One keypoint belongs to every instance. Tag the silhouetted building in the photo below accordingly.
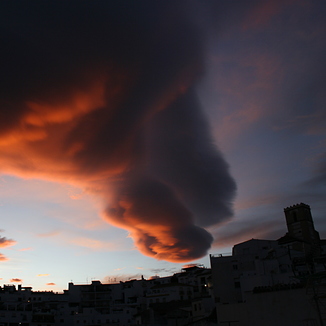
(273, 282)
(184, 298)
(301, 234)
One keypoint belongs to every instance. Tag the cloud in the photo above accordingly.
(271, 75)
(318, 178)
(49, 234)
(312, 124)
(51, 283)
(261, 229)
(41, 275)
(245, 85)
(263, 13)
(3, 257)
(76, 196)
(26, 249)
(93, 243)
(16, 280)
(109, 104)
(4, 242)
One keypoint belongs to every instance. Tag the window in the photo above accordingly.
(237, 285)
(295, 218)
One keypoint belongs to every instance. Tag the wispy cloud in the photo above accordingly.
(41, 275)
(311, 124)
(243, 104)
(16, 280)
(51, 283)
(264, 12)
(76, 196)
(93, 244)
(49, 234)
(258, 201)
(26, 249)
(240, 233)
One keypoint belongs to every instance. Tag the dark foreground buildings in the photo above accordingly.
(264, 282)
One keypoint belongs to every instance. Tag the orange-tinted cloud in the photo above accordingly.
(4, 242)
(41, 275)
(76, 196)
(3, 257)
(120, 120)
(171, 235)
(16, 280)
(26, 249)
(51, 283)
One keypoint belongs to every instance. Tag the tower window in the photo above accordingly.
(295, 218)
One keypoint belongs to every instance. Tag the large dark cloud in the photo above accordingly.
(102, 94)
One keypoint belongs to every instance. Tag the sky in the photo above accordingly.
(137, 137)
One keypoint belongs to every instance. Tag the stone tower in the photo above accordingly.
(301, 227)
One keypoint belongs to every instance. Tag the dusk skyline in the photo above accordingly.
(138, 137)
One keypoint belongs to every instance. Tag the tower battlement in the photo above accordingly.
(296, 206)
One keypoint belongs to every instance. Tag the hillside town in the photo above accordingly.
(264, 282)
